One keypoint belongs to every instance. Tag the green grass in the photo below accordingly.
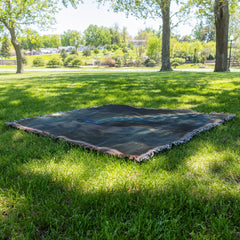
(8, 67)
(52, 190)
(196, 65)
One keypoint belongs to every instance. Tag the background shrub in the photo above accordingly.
(54, 62)
(119, 60)
(126, 59)
(109, 61)
(130, 63)
(203, 59)
(76, 62)
(86, 52)
(125, 50)
(73, 61)
(175, 64)
(118, 52)
(105, 51)
(63, 54)
(109, 48)
(68, 60)
(150, 62)
(96, 50)
(74, 51)
(24, 60)
(178, 60)
(115, 46)
(38, 62)
(138, 62)
(97, 62)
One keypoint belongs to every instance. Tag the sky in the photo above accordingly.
(88, 13)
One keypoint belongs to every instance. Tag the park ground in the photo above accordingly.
(52, 190)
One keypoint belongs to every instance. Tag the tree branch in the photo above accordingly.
(5, 23)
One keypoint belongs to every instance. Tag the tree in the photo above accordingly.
(97, 36)
(115, 35)
(186, 38)
(154, 48)
(205, 32)
(221, 10)
(15, 15)
(72, 38)
(165, 9)
(63, 54)
(5, 49)
(144, 9)
(31, 41)
(51, 41)
(234, 25)
(144, 35)
(124, 35)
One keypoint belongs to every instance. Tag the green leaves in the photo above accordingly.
(16, 15)
(21, 13)
(97, 36)
(5, 49)
(71, 38)
(74, 3)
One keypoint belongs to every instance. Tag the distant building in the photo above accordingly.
(102, 47)
(67, 48)
(33, 52)
(48, 50)
(137, 43)
(82, 48)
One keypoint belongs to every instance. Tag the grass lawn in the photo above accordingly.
(52, 190)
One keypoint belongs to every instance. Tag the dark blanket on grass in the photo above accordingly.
(137, 133)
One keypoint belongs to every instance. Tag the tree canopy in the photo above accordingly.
(220, 10)
(145, 9)
(22, 13)
(5, 49)
(17, 15)
(97, 36)
(71, 38)
(234, 25)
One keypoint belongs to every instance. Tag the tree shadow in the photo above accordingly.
(36, 96)
(51, 209)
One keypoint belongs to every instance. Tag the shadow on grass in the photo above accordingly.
(110, 198)
(34, 95)
(43, 206)
(69, 91)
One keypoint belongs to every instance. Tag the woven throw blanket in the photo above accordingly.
(122, 130)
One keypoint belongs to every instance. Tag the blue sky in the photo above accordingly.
(89, 13)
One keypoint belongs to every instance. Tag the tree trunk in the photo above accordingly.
(221, 12)
(165, 8)
(17, 48)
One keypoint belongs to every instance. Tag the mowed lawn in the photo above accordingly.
(52, 190)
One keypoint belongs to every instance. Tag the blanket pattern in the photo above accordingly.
(123, 130)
